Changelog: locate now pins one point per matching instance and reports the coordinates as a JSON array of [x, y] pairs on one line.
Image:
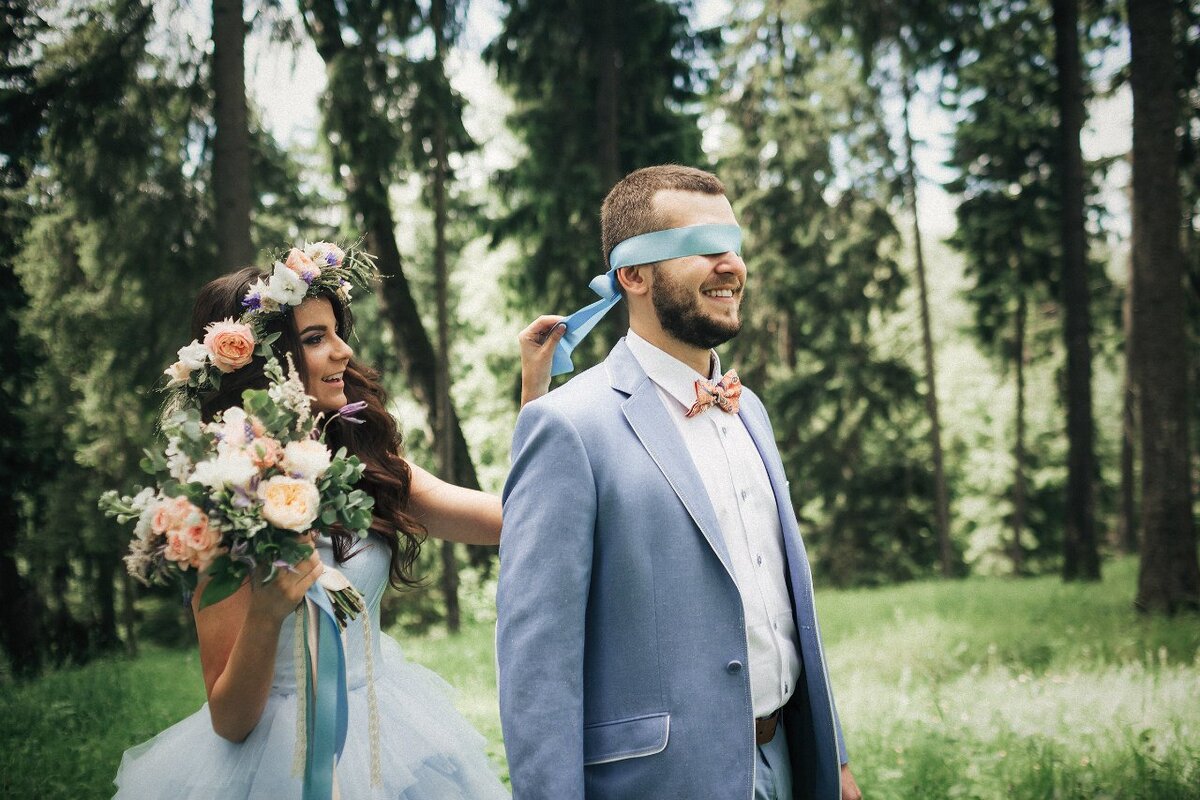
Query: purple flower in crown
[[254, 296], [348, 411]]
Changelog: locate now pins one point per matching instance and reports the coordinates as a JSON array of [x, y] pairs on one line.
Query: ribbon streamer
[[692, 240], [327, 716]]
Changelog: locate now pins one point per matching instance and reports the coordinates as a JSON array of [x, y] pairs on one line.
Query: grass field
[[977, 689]]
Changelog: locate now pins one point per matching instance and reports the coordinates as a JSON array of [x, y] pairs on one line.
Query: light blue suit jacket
[[621, 640]]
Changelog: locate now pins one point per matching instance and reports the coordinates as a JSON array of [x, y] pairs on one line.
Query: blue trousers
[[773, 770]]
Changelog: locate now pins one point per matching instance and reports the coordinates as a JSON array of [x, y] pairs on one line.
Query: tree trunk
[[946, 557], [104, 594], [1081, 559], [608, 70], [1126, 531], [129, 614], [445, 444], [1169, 574], [22, 613], [231, 142], [368, 201], [1016, 550]]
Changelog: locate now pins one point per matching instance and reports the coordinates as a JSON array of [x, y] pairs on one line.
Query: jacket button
[[733, 667]]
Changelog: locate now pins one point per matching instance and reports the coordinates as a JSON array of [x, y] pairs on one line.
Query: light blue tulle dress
[[422, 748]]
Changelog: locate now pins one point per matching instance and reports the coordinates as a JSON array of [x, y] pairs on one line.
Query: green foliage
[[591, 106], [986, 688], [810, 175], [1007, 156]]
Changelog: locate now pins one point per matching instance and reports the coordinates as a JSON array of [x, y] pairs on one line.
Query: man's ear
[[636, 281]]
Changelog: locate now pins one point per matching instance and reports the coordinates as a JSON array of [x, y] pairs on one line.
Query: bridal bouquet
[[232, 495]]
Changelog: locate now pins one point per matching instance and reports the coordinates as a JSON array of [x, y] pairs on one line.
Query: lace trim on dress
[[372, 708], [299, 665]]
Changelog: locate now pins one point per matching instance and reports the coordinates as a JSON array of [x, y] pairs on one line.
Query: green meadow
[[983, 688]]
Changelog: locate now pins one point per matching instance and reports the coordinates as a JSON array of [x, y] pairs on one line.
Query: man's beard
[[680, 315]]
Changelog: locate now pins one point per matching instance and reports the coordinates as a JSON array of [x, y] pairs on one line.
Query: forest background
[[971, 227]]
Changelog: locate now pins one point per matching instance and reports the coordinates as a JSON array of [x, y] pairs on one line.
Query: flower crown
[[321, 268]]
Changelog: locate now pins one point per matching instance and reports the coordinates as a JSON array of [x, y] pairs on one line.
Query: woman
[[405, 739]]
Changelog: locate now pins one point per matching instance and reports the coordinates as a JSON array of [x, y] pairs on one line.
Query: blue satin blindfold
[[693, 240]]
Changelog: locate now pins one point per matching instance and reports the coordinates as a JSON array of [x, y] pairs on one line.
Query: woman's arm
[[453, 512], [238, 637], [466, 515]]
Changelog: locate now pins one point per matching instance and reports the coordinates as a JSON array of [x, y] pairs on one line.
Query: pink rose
[[230, 343], [265, 452], [202, 541], [173, 513], [177, 547], [302, 265]]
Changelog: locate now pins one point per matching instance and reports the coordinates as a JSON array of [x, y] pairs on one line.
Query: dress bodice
[[367, 568]]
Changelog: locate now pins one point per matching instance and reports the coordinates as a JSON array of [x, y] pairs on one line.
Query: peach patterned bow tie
[[724, 394]]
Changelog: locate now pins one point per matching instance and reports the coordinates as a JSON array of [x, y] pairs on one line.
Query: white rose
[[307, 458], [289, 503], [193, 355], [232, 468], [178, 373], [286, 287]]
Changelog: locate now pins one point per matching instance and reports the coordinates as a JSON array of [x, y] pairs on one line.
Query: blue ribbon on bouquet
[[328, 705], [693, 240]]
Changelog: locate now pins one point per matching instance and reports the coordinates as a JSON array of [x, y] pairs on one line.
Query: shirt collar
[[672, 375]]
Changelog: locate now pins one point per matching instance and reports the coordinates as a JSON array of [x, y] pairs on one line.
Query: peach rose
[[231, 344], [299, 263], [289, 503]]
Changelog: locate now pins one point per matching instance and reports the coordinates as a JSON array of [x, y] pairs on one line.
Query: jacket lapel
[[652, 424]]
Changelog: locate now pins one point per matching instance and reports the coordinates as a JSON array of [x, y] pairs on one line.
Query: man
[[657, 636]]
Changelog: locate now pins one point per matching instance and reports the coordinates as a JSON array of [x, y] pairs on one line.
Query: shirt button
[[745, 494], [733, 667], [758, 560], [775, 625], [724, 430], [786, 688]]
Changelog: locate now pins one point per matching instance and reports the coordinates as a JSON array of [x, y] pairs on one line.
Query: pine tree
[[811, 177], [602, 87]]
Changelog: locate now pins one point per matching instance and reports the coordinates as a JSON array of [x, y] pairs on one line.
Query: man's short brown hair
[[629, 208]]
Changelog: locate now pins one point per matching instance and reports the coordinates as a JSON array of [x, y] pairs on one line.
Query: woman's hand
[[238, 637], [538, 341], [278, 599]]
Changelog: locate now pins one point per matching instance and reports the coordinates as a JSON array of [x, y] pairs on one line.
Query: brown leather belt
[[764, 728]]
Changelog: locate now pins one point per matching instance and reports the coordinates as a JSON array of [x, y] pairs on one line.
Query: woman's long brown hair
[[376, 441]]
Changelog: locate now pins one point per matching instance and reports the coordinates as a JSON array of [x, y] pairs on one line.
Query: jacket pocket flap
[[625, 738]]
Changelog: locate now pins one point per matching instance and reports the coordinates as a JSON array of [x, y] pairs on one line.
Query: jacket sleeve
[[541, 604]]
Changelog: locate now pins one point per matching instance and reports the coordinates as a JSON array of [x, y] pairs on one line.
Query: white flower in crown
[[286, 287], [343, 291], [231, 468], [193, 355], [325, 254], [258, 300], [191, 358]]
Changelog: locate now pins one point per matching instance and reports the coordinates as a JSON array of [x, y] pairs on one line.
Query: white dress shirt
[[741, 495]]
